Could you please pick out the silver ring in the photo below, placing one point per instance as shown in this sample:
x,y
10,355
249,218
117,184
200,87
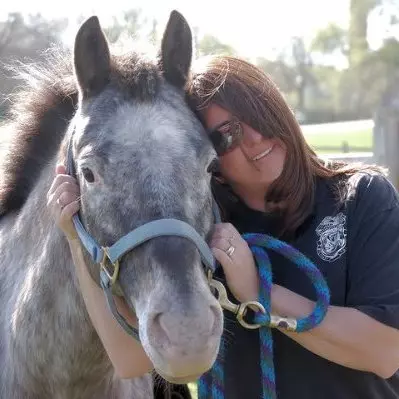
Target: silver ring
x,y
230,250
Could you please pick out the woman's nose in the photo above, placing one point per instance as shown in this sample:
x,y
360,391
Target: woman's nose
x,y
251,136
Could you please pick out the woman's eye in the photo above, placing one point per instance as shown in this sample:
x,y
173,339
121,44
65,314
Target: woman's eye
x,y
88,175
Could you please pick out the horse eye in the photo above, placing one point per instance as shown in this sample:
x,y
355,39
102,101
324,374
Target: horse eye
x,y
88,175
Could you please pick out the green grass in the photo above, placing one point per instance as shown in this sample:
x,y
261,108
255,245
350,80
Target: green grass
x,y
193,390
361,140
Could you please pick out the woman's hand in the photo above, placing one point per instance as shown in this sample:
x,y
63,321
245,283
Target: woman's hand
x,y
236,258
63,201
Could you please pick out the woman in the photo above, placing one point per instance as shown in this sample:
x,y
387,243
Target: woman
x,y
343,217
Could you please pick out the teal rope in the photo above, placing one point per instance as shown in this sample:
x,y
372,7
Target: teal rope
x,y
210,385
265,334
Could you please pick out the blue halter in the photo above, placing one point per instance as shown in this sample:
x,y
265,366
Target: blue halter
x,y
108,257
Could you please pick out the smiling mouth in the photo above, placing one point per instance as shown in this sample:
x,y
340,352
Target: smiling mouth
x,y
263,154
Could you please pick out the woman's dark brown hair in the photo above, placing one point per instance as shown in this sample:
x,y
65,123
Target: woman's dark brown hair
x,y
250,95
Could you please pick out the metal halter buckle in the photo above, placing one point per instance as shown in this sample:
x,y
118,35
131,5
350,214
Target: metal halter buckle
x,y
106,265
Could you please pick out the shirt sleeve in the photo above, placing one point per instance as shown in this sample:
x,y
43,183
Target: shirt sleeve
x,y
373,250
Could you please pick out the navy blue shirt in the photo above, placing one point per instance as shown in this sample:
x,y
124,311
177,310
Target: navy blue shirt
x,y
355,243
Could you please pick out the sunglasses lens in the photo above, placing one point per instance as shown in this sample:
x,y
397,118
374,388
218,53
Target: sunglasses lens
x,y
227,137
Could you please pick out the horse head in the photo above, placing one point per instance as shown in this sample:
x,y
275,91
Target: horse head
x,y
141,155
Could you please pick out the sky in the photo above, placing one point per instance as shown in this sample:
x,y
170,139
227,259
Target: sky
x,y
250,26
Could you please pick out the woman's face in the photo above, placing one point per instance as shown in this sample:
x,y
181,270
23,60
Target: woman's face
x,y
255,161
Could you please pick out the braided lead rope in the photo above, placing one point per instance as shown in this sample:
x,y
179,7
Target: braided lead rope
x,y
211,384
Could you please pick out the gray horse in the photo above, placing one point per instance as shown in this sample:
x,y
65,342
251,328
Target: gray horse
x,y
140,155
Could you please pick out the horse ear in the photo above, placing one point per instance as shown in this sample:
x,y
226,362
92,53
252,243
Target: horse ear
x,y
92,60
176,50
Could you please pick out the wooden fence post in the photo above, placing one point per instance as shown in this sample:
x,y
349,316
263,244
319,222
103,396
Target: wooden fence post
x,y
386,141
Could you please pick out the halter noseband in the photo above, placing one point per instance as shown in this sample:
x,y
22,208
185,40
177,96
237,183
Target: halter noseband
x,y
109,257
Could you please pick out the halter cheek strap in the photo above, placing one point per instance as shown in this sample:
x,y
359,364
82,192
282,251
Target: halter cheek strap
x,y
109,257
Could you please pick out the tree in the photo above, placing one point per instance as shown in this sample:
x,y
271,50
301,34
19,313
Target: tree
x,y
9,29
25,38
330,40
368,72
371,72
210,45
153,35
357,35
281,74
298,58
26,35
129,23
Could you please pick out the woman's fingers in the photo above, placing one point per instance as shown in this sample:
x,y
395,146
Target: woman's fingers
x,y
58,181
63,201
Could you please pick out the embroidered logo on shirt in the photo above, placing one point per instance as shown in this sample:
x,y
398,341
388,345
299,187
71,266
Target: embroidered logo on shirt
x,y
331,244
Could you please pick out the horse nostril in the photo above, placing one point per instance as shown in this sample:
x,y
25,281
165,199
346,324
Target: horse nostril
x,y
159,329
172,328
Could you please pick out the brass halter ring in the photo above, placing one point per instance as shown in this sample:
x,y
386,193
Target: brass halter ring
x,y
240,310
106,265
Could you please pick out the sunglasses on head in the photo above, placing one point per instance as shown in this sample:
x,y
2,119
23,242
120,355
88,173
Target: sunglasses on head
x,y
227,136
